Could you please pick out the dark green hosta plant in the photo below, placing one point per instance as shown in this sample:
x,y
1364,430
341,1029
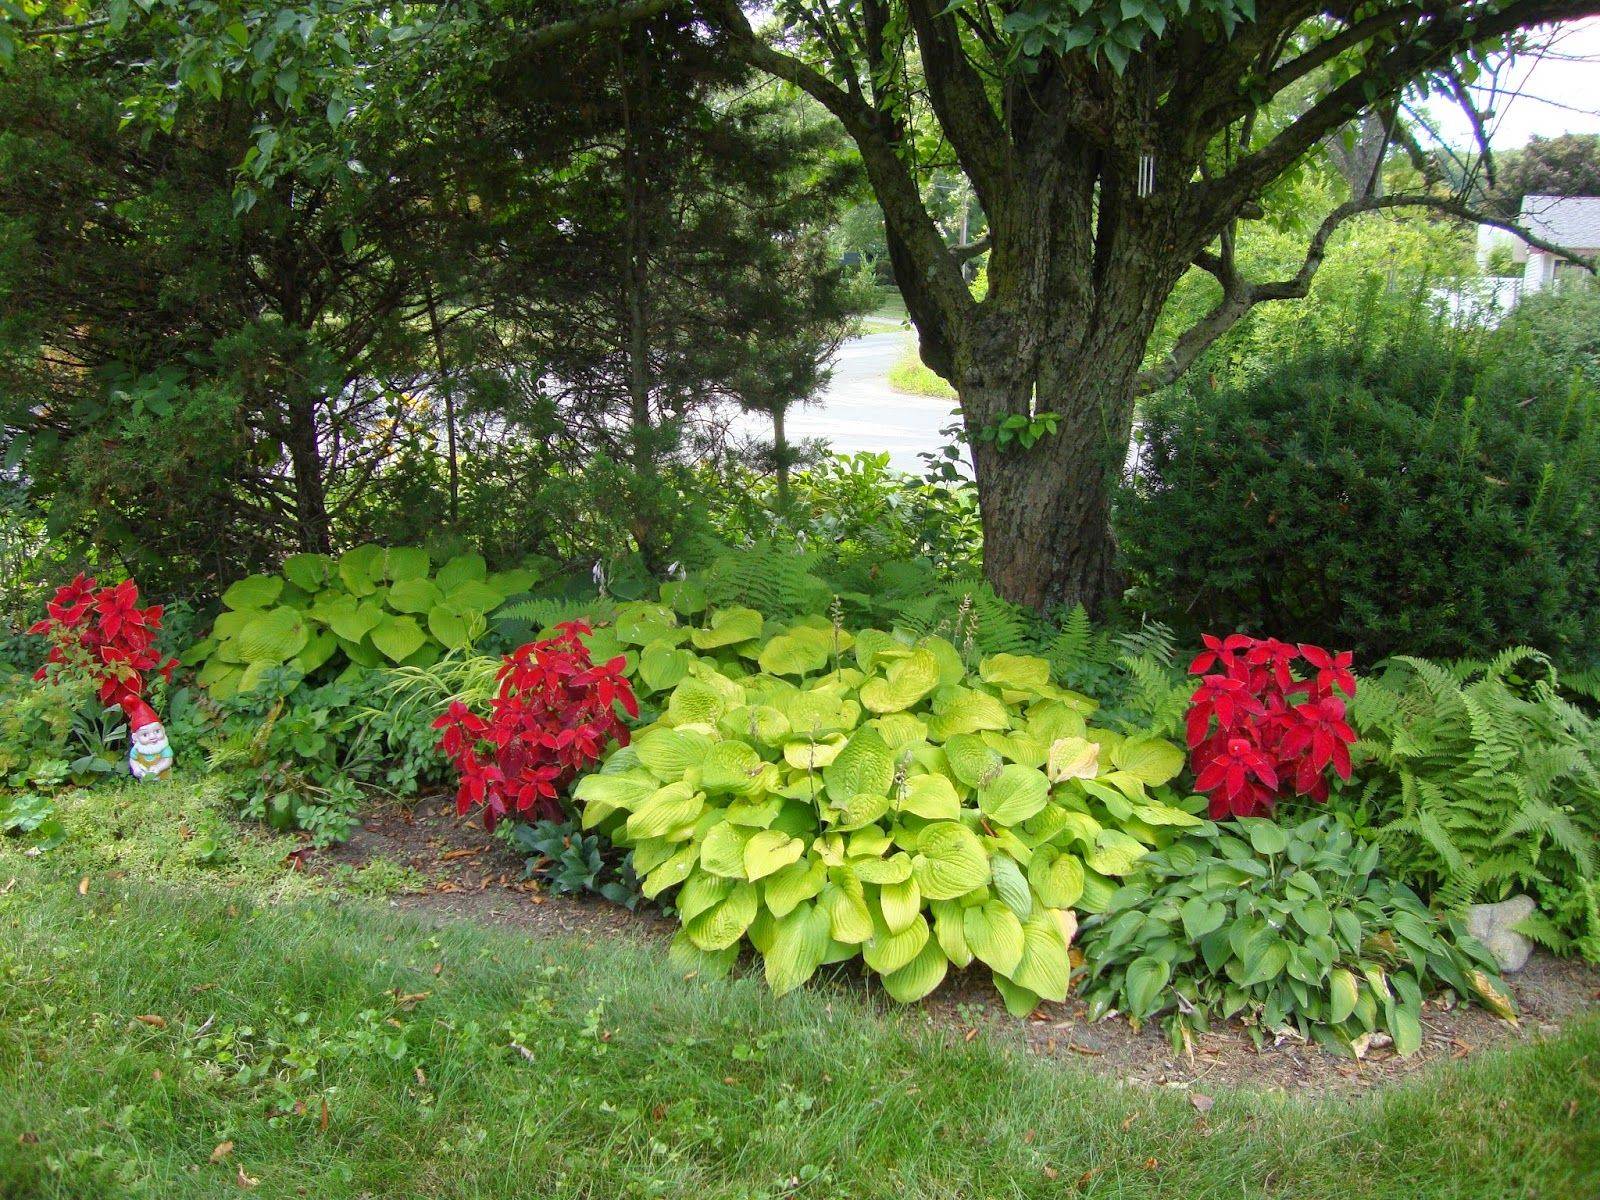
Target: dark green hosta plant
x,y
821,796
571,862
1286,928
368,607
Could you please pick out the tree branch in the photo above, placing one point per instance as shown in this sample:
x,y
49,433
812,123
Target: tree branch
x,y
936,271
1239,296
1445,34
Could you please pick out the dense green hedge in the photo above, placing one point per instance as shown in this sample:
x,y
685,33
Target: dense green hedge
x,y
1424,498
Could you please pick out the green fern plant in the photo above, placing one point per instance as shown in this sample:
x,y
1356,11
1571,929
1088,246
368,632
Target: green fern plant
x,y
1480,781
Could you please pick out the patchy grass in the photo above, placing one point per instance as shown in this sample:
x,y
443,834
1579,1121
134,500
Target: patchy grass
x,y
888,315
167,1041
179,829
910,377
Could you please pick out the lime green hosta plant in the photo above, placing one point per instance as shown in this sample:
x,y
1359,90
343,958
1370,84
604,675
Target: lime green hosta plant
x,y
368,607
822,795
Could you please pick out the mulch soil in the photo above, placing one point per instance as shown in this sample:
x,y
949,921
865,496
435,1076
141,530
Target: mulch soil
x,y
473,876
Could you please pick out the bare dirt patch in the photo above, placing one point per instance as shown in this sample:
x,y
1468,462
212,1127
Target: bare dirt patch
x,y
472,875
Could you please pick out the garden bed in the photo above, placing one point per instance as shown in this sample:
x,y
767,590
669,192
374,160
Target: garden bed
x,y
471,875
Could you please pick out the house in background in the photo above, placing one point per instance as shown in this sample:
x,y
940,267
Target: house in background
x,y
1572,222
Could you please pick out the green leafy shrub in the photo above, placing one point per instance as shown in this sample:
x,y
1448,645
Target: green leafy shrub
x,y
1480,781
823,795
296,754
1414,500
1284,928
54,732
367,608
571,862
32,816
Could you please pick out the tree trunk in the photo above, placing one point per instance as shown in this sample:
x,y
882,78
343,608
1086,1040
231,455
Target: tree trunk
x,y
452,460
1047,540
305,460
780,453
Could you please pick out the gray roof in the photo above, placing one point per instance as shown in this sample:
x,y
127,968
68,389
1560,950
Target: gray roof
x,y
1572,222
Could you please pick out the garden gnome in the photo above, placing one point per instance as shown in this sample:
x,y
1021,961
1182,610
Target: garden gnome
x,y
149,754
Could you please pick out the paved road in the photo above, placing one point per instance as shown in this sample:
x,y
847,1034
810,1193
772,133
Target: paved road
x,y
859,412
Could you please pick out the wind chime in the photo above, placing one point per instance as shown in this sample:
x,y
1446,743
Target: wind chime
x,y
1147,174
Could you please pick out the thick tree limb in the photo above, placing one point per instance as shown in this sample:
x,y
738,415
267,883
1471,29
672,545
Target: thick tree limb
x,y
1446,33
1240,296
935,270
961,102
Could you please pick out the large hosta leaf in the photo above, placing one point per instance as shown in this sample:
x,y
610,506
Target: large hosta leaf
x,y
798,652
414,595
464,568
908,680
784,889
950,861
274,636
253,591
1152,760
1073,758
1044,967
1016,672
863,766
673,806
994,935
1016,794
308,572
1114,852
1056,877
770,850
397,638
730,767
963,710
930,796
669,753
919,976
887,951
799,945
729,627
723,923
403,564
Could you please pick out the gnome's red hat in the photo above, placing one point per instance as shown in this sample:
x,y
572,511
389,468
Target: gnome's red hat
x,y
140,714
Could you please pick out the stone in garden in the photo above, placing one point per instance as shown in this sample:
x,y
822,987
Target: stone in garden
x,y
1492,924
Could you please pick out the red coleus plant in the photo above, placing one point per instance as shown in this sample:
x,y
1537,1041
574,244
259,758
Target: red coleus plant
x,y
1257,727
553,715
104,630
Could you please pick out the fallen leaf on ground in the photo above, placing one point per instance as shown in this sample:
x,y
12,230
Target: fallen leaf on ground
x,y
245,1181
452,855
1201,1101
152,1020
222,1151
1051,1173
27,1138
83,886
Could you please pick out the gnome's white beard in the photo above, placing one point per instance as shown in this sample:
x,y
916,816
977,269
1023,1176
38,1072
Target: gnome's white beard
x,y
151,751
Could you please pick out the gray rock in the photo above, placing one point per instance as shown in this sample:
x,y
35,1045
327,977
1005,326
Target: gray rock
x,y
1492,925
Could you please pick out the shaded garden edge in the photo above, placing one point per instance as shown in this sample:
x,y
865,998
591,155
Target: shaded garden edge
x,y
460,1060
464,874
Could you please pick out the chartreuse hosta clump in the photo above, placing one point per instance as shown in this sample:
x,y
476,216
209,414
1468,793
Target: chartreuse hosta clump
x,y
821,796
368,607
1289,928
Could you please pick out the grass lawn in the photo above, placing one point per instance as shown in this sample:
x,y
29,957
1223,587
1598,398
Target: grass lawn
x,y
889,315
213,1029
910,377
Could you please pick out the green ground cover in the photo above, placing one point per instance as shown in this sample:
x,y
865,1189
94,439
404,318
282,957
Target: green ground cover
x,y
162,1037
